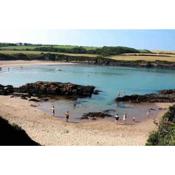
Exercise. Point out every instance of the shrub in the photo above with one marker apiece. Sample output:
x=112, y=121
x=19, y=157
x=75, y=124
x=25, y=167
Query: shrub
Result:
x=165, y=135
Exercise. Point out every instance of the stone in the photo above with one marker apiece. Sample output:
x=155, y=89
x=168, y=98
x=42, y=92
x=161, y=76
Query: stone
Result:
x=95, y=115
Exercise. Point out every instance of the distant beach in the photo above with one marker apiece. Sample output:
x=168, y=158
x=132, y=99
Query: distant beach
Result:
x=23, y=63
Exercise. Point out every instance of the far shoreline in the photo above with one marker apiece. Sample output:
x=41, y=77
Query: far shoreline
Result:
x=32, y=62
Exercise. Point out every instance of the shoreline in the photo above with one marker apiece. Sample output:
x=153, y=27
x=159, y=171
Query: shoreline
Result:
x=29, y=63
x=48, y=130
x=116, y=60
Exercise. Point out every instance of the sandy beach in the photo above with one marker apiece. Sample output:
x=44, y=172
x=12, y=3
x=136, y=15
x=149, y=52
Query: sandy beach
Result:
x=25, y=63
x=49, y=130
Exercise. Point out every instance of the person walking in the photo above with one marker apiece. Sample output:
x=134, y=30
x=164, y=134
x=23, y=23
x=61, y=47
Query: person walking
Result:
x=53, y=110
x=67, y=116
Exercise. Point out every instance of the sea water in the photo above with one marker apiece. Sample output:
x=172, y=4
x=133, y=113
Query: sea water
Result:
x=111, y=81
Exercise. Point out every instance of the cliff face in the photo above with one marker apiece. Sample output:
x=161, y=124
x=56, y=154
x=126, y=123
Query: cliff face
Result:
x=13, y=135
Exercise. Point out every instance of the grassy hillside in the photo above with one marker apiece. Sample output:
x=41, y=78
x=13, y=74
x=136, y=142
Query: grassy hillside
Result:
x=114, y=53
x=165, y=135
x=144, y=57
x=69, y=49
x=33, y=47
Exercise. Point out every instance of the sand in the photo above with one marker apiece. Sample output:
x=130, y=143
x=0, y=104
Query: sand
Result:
x=25, y=63
x=49, y=130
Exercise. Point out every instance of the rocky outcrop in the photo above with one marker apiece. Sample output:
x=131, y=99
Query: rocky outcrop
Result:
x=95, y=115
x=48, y=89
x=44, y=89
x=6, y=90
x=161, y=96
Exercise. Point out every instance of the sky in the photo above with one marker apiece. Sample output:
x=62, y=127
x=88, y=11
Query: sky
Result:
x=140, y=39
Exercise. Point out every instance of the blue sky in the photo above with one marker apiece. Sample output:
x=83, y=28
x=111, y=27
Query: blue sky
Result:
x=141, y=39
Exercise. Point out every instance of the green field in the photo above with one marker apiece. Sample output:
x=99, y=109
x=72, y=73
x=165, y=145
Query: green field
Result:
x=12, y=52
x=32, y=47
x=31, y=50
x=145, y=58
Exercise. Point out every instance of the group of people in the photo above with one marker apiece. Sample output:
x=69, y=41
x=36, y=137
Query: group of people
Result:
x=124, y=118
x=66, y=113
x=117, y=117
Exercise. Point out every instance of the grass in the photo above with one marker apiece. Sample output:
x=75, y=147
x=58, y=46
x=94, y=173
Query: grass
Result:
x=12, y=52
x=161, y=56
x=35, y=46
x=165, y=135
x=145, y=58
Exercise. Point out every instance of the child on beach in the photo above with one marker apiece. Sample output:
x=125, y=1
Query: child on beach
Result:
x=67, y=116
x=53, y=110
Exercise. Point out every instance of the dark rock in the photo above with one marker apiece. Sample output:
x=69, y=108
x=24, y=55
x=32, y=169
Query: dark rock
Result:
x=96, y=92
x=162, y=96
x=33, y=105
x=95, y=115
x=109, y=110
x=169, y=91
x=34, y=100
x=84, y=117
x=44, y=89
x=24, y=97
x=44, y=99
x=6, y=90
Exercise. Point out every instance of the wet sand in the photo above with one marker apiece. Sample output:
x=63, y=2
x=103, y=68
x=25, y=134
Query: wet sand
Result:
x=49, y=130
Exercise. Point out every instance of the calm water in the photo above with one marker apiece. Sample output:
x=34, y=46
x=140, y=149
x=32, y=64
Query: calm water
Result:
x=110, y=80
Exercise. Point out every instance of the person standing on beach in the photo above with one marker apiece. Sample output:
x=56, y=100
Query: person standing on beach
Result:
x=53, y=110
x=67, y=116
x=124, y=117
x=148, y=113
x=134, y=119
x=116, y=117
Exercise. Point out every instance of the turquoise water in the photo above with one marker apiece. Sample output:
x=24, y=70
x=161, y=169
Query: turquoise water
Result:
x=110, y=80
